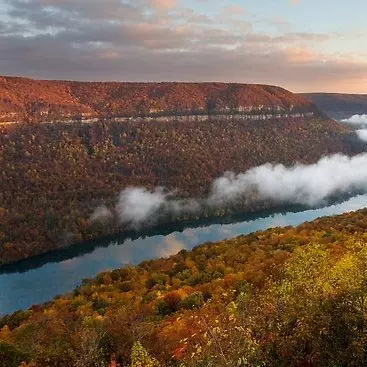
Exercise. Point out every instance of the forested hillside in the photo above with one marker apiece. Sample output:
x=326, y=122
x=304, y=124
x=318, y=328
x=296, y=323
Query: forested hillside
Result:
x=67, y=148
x=53, y=176
x=339, y=106
x=25, y=100
x=281, y=297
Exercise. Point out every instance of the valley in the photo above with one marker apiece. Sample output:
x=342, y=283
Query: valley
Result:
x=183, y=183
x=56, y=175
x=156, y=181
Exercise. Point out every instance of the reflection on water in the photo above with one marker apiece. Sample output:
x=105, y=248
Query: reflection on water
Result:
x=22, y=288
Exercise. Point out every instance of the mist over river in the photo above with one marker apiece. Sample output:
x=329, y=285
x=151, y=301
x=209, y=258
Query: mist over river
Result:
x=40, y=279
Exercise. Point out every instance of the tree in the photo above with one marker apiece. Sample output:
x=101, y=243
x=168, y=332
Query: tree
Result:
x=141, y=358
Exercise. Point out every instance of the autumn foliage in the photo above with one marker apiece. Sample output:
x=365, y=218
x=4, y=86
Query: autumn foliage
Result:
x=281, y=297
x=53, y=176
x=28, y=100
x=56, y=168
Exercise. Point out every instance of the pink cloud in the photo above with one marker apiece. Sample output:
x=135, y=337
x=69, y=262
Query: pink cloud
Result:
x=163, y=40
x=163, y=4
x=300, y=55
x=234, y=9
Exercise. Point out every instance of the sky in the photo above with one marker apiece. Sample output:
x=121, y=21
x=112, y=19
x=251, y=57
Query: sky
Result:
x=301, y=45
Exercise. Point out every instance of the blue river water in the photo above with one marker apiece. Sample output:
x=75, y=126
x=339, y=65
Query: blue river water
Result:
x=39, y=280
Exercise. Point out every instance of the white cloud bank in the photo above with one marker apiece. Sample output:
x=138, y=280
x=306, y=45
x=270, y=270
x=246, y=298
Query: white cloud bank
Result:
x=302, y=184
x=309, y=185
x=357, y=120
x=362, y=134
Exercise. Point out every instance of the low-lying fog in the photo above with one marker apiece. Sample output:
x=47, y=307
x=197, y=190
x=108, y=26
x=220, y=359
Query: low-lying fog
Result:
x=302, y=184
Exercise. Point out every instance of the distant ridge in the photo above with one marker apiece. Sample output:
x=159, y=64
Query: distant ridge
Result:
x=338, y=105
x=24, y=99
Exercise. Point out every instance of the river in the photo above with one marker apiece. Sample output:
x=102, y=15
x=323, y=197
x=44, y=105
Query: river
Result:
x=40, y=279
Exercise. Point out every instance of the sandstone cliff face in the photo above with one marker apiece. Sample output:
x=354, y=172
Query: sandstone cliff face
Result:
x=24, y=100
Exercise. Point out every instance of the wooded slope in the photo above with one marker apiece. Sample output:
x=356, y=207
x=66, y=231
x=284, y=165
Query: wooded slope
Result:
x=24, y=99
x=281, y=297
x=53, y=176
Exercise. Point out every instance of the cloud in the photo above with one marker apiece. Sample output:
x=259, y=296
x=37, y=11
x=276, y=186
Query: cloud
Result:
x=101, y=214
x=362, y=134
x=356, y=120
x=232, y=11
x=159, y=40
x=163, y=4
x=302, y=184
x=308, y=185
x=138, y=205
x=170, y=246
